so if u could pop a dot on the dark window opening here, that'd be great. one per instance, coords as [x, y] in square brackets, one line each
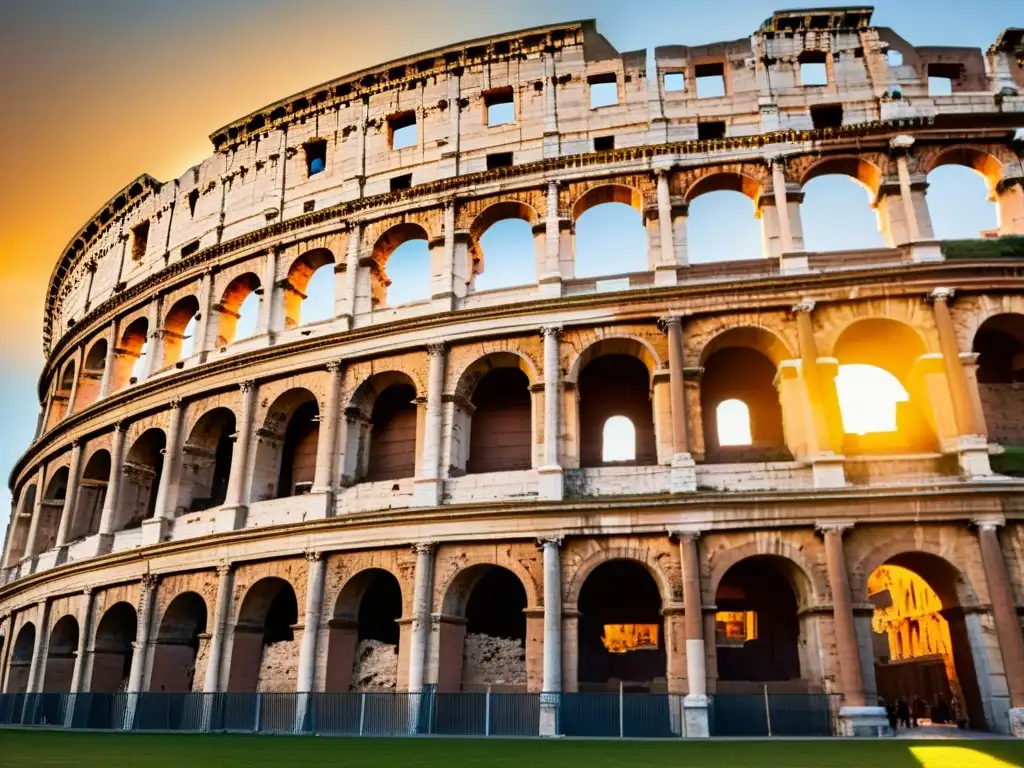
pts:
[402, 130]
[604, 90]
[604, 143]
[712, 130]
[189, 249]
[827, 116]
[499, 160]
[308, 206]
[193, 198]
[140, 240]
[710, 80]
[316, 156]
[401, 182]
[500, 106]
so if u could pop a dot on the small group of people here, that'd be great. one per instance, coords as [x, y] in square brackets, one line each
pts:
[904, 714]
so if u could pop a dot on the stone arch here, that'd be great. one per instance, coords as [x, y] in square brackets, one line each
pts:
[176, 324]
[499, 211]
[297, 281]
[857, 168]
[365, 623]
[133, 339]
[20, 662]
[62, 649]
[286, 446]
[631, 346]
[230, 305]
[720, 180]
[92, 493]
[266, 617]
[20, 525]
[113, 644]
[141, 472]
[985, 163]
[807, 582]
[91, 377]
[955, 587]
[206, 461]
[383, 428]
[179, 653]
[611, 192]
[642, 555]
[385, 245]
[479, 608]
[756, 337]
[999, 344]
[51, 509]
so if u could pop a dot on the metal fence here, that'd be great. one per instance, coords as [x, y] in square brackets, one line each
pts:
[593, 715]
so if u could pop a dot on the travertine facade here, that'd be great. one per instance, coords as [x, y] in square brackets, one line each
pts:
[246, 514]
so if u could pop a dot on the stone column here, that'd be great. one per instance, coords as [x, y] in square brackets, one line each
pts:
[684, 475]
[158, 528]
[310, 634]
[68, 513]
[781, 204]
[347, 307]
[679, 213]
[268, 284]
[154, 351]
[108, 362]
[37, 667]
[423, 589]
[211, 682]
[1007, 621]
[79, 360]
[108, 514]
[85, 640]
[973, 445]
[147, 596]
[428, 486]
[551, 138]
[200, 344]
[327, 442]
[551, 687]
[550, 479]
[237, 498]
[550, 279]
[665, 269]
[696, 701]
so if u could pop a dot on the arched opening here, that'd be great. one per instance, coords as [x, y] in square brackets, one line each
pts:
[501, 438]
[180, 331]
[92, 492]
[362, 651]
[482, 632]
[609, 233]
[21, 659]
[61, 399]
[92, 375]
[621, 637]
[400, 269]
[758, 627]
[131, 354]
[239, 309]
[309, 292]
[265, 655]
[960, 204]
[825, 229]
[999, 343]
[922, 640]
[390, 446]
[740, 404]
[112, 657]
[722, 225]
[883, 398]
[20, 525]
[206, 461]
[285, 462]
[615, 385]
[180, 653]
[141, 479]
[60, 656]
[50, 510]
[508, 250]
[618, 440]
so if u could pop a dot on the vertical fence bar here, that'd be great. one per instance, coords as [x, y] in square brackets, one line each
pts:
[622, 718]
[487, 712]
[362, 712]
[767, 711]
[256, 719]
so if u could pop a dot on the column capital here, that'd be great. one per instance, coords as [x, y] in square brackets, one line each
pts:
[901, 144]
[550, 541]
[684, 534]
[224, 568]
[988, 523]
[665, 322]
[247, 386]
[424, 547]
[804, 305]
[148, 582]
[87, 592]
[120, 426]
[312, 556]
[436, 349]
[334, 366]
[175, 403]
[941, 294]
[551, 330]
[76, 443]
[834, 526]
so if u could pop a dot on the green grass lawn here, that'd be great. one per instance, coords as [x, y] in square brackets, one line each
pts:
[56, 748]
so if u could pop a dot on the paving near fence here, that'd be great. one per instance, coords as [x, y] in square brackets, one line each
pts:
[56, 748]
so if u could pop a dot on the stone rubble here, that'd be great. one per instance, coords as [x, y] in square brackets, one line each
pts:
[376, 666]
[279, 667]
[493, 661]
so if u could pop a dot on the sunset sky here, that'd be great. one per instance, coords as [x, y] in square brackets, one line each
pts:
[94, 93]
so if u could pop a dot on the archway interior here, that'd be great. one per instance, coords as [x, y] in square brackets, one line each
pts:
[60, 656]
[51, 509]
[131, 353]
[837, 215]
[92, 493]
[921, 640]
[92, 375]
[392, 453]
[508, 249]
[142, 470]
[179, 331]
[500, 431]
[408, 274]
[621, 637]
[615, 385]
[265, 653]
[21, 659]
[362, 649]
[721, 226]
[309, 295]
[298, 452]
[757, 629]
[959, 204]
[206, 464]
[239, 309]
[112, 658]
[610, 239]
[180, 655]
[999, 343]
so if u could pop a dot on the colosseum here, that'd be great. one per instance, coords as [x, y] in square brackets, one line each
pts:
[528, 488]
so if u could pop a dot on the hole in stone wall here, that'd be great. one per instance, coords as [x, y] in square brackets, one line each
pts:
[604, 90]
[604, 143]
[958, 203]
[499, 160]
[193, 198]
[711, 130]
[941, 78]
[140, 240]
[402, 130]
[827, 115]
[812, 68]
[316, 156]
[401, 182]
[500, 106]
[895, 58]
[675, 81]
[710, 80]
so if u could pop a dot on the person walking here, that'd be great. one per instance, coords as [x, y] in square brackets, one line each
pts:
[903, 713]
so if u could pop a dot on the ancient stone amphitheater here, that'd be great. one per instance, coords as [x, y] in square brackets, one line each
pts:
[417, 496]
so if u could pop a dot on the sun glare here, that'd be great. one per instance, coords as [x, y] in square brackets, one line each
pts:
[733, 423]
[961, 757]
[868, 398]
[619, 442]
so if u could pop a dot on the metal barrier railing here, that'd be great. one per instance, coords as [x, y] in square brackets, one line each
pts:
[608, 715]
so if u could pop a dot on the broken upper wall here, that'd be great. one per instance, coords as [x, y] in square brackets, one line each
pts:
[337, 143]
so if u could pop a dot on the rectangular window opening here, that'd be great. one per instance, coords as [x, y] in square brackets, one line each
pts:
[308, 206]
[499, 160]
[401, 182]
[402, 130]
[941, 78]
[189, 249]
[827, 116]
[140, 240]
[604, 90]
[604, 143]
[710, 80]
[674, 81]
[711, 130]
[316, 156]
[501, 108]
[895, 58]
[812, 68]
